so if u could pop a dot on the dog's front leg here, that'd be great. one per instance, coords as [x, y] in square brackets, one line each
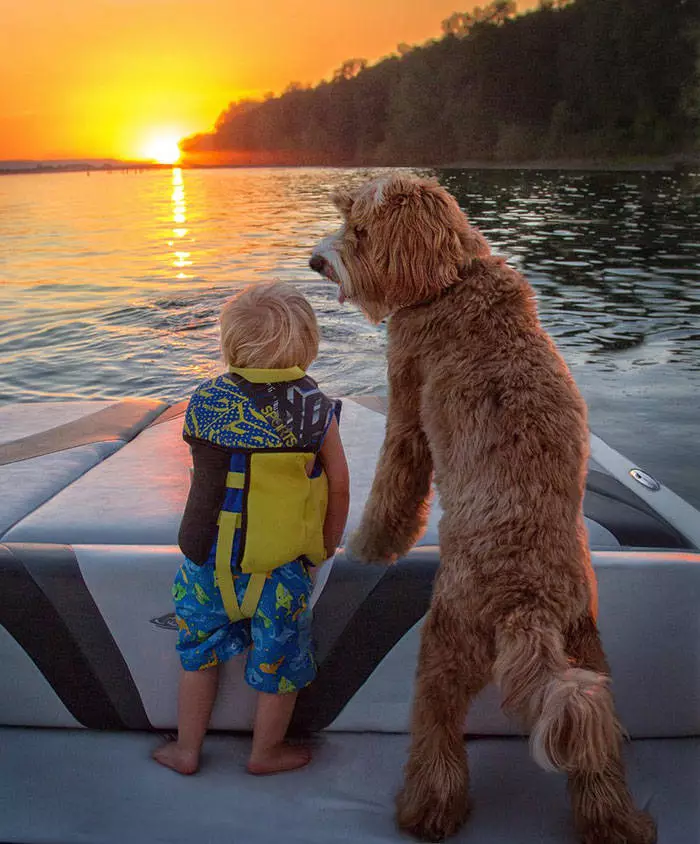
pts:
[397, 509]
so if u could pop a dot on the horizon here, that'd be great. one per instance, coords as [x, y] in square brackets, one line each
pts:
[89, 84]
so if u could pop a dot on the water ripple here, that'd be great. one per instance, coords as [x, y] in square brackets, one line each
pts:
[112, 285]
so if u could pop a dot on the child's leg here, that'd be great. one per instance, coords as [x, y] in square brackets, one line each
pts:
[280, 663]
[195, 703]
[270, 753]
[206, 638]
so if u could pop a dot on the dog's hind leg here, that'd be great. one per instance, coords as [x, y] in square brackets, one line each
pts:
[454, 665]
[604, 812]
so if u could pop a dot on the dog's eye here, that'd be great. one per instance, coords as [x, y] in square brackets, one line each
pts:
[359, 233]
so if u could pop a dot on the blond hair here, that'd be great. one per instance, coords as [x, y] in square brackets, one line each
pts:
[268, 326]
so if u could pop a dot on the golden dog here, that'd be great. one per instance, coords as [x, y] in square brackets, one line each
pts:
[480, 399]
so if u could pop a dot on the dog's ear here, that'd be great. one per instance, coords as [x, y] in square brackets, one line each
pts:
[343, 200]
[424, 238]
[397, 190]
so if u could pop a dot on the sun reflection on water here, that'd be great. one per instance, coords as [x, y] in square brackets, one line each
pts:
[182, 257]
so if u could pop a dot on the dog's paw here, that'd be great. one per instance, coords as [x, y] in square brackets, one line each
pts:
[431, 816]
[363, 547]
[635, 827]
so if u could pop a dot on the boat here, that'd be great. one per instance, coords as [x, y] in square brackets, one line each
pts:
[93, 492]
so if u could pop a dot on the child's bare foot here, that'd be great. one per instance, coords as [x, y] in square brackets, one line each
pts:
[174, 757]
[283, 757]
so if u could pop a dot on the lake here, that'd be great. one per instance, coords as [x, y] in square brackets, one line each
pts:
[112, 283]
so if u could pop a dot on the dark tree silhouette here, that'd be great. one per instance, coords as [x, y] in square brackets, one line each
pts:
[349, 69]
[581, 79]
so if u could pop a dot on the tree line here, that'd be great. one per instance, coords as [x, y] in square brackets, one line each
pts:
[584, 79]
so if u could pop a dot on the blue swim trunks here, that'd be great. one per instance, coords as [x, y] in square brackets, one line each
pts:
[278, 637]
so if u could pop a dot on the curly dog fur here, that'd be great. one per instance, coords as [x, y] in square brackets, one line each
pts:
[481, 402]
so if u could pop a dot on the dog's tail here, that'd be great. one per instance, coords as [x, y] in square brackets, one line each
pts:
[569, 711]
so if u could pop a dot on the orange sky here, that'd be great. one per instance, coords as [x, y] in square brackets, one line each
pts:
[81, 78]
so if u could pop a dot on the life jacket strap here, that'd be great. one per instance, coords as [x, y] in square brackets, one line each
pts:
[253, 591]
[235, 480]
[229, 523]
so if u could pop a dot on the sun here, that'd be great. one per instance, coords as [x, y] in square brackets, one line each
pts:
[162, 148]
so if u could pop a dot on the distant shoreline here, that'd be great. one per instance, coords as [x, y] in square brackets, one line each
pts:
[43, 167]
[665, 164]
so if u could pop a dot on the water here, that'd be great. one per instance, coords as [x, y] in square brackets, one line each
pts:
[111, 285]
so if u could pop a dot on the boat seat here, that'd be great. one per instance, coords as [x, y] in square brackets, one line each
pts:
[99, 619]
[66, 786]
[45, 447]
[137, 497]
[91, 635]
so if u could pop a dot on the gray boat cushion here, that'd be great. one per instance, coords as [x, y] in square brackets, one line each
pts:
[362, 426]
[120, 421]
[131, 587]
[649, 620]
[28, 484]
[49, 612]
[138, 496]
[23, 419]
[62, 787]
[628, 519]
[28, 698]
[175, 410]
[650, 626]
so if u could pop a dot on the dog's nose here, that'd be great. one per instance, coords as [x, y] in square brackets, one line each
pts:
[317, 263]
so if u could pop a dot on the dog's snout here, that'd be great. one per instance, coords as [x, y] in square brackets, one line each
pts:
[317, 262]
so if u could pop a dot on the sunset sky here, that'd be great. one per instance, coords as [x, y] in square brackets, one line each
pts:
[119, 78]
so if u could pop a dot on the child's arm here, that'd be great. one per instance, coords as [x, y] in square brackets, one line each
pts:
[336, 468]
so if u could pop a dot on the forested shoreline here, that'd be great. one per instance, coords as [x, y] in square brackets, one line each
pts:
[577, 81]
